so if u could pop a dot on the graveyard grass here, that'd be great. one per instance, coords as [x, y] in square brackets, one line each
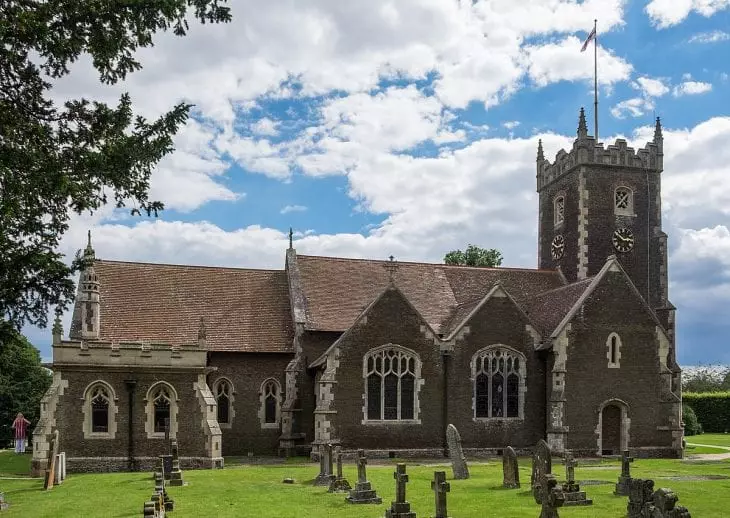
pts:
[257, 491]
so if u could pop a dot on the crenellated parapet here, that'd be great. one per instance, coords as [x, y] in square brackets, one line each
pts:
[138, 353]
[587, 151]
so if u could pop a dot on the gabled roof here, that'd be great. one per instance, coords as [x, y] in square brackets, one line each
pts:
[337, 290]
[548, 309]
[245, 310]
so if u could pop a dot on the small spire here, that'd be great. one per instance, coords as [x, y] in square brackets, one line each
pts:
[57, 330]
[391, 266]
[89, 250]
[540, 153]
[658, 130]
[291, 238]
[582, 124]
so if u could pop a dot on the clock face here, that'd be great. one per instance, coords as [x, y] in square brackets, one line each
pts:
[557, 248]
[623, 240]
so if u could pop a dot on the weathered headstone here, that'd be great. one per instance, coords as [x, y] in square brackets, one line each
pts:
[571, 489]
[440, 487]
[644, 502]
[325, 476]
[363, 492]
[510, 469]
[622, 486]
[176, 475]
[339, 483]
[551, 496]
[640, 495]
[458, 461]
[51, 471]
[400, 508]
[665, 505]
[542, 464]
[3, 504]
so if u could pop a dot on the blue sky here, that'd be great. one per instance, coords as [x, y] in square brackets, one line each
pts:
[410, 128]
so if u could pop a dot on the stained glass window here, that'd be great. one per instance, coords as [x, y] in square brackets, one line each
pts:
[100, 411]
[497, 373]
[390, 384]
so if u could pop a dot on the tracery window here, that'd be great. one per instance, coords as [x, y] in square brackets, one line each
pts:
[613, 344]
[391, 376]
[559, 210]
[99, 411]
[623, 201]
[270, 400]
[161, 411]
[499, 383]
[223, 393]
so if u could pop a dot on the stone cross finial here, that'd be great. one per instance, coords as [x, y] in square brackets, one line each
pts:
[582, 125]
[401, 478]
[626, 464]
[551, 497]
[440, 487]
[540, 152]
[391, 266]
[291, 238]
[569, 467]
[362, 461]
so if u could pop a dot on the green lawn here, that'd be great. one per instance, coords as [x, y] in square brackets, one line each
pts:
[716, 439]
[257, 491]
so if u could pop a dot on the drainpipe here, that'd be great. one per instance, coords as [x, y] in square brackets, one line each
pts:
[445, 403]
[131, 464]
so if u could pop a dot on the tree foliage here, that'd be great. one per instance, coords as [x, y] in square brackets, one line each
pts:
[56, 160]
[706, 378]
[474, 256]
[23, 381]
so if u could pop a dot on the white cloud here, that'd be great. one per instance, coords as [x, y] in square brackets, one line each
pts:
[265, 126]
[710, 37]
[634, 107]
[691, 88]
[292, 208]
[510, 125]
[666, 13]
[651, 87]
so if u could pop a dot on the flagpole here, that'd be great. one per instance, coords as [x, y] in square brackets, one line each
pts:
[595, 78]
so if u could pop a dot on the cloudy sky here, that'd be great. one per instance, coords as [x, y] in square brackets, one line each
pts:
[410, 128]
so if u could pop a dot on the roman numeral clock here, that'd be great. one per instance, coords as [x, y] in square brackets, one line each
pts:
[557, 247]
[623, 240]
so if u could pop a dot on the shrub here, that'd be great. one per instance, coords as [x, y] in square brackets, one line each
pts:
[691, 425]
[711, 408]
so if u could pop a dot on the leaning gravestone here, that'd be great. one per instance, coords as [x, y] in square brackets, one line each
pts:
[624, 480]
[400, 508]
[571, 489]
[551, 496]
[363, 492]
[52, 453]
[542, 464]
[510, 469]
[440, 487]
[458, 461]
[339, 483]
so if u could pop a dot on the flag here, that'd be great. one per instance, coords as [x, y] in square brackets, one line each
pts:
[588, 40]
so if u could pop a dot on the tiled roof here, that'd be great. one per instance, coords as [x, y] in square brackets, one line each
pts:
[337, 290]
[244, 310]
[548, 309]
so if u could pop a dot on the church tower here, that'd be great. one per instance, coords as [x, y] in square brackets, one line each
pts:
[89, 290]
[596, 202]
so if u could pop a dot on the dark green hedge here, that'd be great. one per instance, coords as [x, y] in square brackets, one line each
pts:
[712, 409]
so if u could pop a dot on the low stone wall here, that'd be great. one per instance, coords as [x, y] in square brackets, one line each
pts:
[120, 464]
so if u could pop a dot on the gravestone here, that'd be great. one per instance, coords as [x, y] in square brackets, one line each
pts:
[167, 465]
[510, 469]
[339, 483]
[551, 496]
[644, 502]
[440, 487]
[458, 461]
[622, 486]
[542, 464]
[167, 503]
[52, 453]
[640, 495]
[665, 505]
[363, 492]
[571, 489]
[400, 508]
[3, 504]
[176, 475]
[325, 476]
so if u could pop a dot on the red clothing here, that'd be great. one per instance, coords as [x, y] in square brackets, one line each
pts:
[21, 426]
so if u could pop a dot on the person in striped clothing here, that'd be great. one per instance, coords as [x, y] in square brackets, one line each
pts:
[21, 431]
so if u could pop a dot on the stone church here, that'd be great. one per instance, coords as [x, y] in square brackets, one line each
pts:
[383, 355]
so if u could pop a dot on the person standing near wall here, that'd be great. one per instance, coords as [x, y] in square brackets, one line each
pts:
[20, 425]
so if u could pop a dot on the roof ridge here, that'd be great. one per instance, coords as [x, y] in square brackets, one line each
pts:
[423, 263]
[195, 266]
[587, 280]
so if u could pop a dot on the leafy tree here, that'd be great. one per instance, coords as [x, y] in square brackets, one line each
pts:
[23, 381]
[59, 159]
[705, 378]
[691, 425]
[474, 256]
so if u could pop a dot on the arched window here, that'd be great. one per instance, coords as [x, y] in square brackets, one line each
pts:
[391, 379]
[499, 383]
[270, 400]
[223, 393]
[99, 411]
[623, 201]
[613, 344]
[161, 411]
[559, 210]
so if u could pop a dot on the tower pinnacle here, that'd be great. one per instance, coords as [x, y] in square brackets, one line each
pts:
[540, 152]
[582, 125]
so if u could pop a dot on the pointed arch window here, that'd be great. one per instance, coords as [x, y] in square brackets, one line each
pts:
[392, 379]
[498, 373]
[223, 393]
[613, 353]
[559, 210]
[99, 411]
[623, 201]
[270, 404]
[161, 409]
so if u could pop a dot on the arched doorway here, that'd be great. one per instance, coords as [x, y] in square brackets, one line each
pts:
[611, 430]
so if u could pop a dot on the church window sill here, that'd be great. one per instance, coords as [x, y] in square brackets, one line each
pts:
[386, 422]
